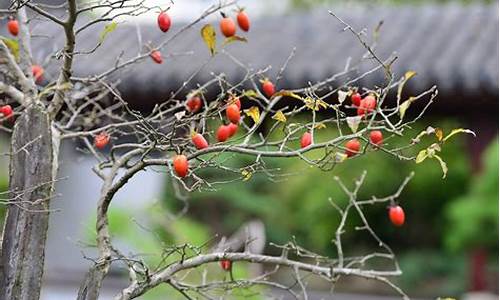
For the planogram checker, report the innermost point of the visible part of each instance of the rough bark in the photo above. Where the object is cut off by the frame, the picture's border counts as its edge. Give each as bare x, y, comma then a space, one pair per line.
32, 170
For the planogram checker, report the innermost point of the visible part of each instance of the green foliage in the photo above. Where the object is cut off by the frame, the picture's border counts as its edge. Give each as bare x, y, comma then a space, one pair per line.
442, 276
473, 217
297, 205
152, 238
4, 180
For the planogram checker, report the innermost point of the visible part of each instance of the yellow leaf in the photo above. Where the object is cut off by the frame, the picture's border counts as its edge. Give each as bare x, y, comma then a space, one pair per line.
246, 174
422, 155
233, 39
444, 167
254, 113
320, 126
288, 94
459, 130
404, 106
439, 134
315, 104
107, 29
410, 74
250, 94
209, 37
279, 116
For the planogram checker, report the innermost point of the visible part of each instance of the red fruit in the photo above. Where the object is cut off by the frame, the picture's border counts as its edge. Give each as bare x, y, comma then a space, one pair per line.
376, 137
352, 147
243, 20
306, 140
367, 105
101, 140
356, 99
235, 100
233, 113
194, 104
199, 141
37, 72
13, 27
227, 27
268, 88
164, 21
7, 111
233, 128
156, 56
181, 166
223, 133
225, 264
397, 215
370, 102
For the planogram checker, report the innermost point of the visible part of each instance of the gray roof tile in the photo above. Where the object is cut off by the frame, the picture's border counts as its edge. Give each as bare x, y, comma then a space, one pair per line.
453, 46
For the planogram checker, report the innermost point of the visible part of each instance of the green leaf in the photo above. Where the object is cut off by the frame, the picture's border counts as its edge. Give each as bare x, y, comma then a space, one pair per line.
107, 29
13, 46
209, 37
459, 130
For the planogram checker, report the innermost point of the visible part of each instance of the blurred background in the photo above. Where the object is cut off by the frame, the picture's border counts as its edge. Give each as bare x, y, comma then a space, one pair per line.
449, 244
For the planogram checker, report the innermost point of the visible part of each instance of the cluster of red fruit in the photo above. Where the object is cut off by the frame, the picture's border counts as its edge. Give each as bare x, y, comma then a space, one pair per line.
365, 105
228, 27
224, 132
352, 146
13, 28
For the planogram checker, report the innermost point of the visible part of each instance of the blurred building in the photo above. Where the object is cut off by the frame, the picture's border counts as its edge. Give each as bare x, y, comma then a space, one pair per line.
452, 46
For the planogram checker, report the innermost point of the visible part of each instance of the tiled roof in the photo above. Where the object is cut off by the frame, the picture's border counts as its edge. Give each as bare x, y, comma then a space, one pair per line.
452, 45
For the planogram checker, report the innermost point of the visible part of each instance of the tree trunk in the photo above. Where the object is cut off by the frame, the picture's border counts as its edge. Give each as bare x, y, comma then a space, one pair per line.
33, 167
